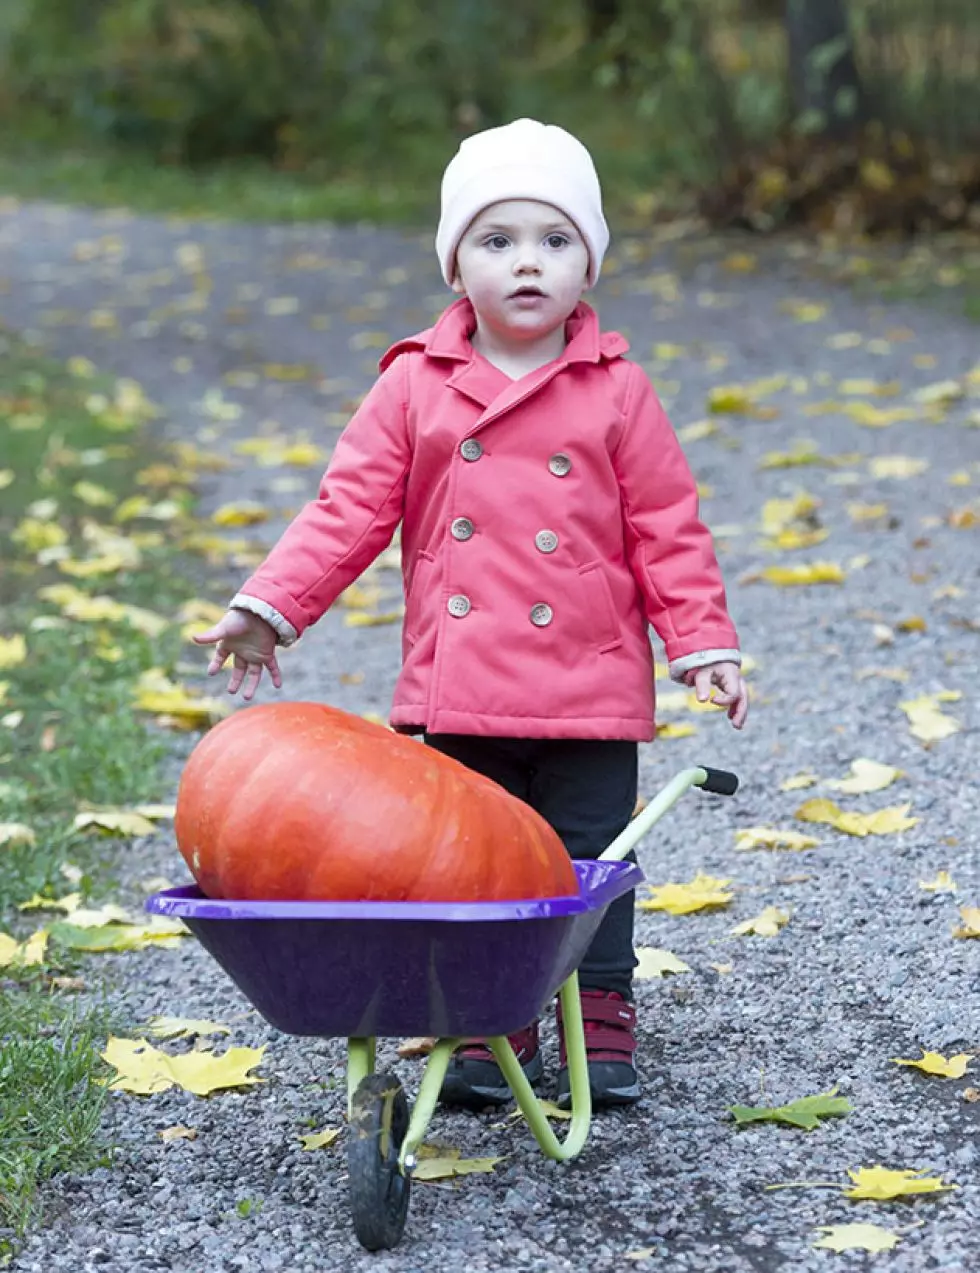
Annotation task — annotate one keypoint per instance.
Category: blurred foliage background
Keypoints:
(846, 114)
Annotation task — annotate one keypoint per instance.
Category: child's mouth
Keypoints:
(527, 293)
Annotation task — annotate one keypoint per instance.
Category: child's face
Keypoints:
(524, 267)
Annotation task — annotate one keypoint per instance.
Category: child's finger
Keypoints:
(210, 637)
(218, 660)
(274, 672)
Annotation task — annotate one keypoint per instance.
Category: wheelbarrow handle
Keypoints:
(716, 780)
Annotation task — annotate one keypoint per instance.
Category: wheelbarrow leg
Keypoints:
(361, 1055)
(578, 1074)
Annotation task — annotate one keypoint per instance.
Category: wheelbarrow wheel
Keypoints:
(379, 1193)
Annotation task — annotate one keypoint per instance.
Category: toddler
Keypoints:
(548, 516)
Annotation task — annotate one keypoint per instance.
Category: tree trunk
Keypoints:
(827, 91)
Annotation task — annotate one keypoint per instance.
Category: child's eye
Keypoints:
(557, 240)
(497, 241)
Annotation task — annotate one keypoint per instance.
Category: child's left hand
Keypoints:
(734, 692)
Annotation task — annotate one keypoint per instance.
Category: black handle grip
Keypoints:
(720, 781)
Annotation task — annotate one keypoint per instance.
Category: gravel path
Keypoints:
(867, 968)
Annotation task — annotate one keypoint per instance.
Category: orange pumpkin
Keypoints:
(303, 801)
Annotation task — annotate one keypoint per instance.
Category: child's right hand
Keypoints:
(251, 642)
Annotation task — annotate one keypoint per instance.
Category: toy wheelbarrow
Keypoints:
(456, 970)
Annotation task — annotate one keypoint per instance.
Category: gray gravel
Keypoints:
(866, 970)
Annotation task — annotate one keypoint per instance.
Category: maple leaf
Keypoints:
(805, 1112)
(773, 838)
(118, 821)
(766, 924)
(927, 721)
(320, 1140)
(142, 1069)
(702, 892)
(882, 822)
(880, 1183)
(953, 1067)
(865, 776)
(970, 916)
(814, 572)
(942, 883)
(856, 1237)
(655, 962)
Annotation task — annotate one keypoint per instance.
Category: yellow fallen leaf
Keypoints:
(970, 927)
(176, 705)
(70, 902)
(25, 954)
(792, 537)
(320, 1140)
(702, 892)
(881, 1184)
(162, 1027)
(766, 924)
(118, 821)
(898, 466)
(804, 311)
(883, 822)
(177, 1132)
(13, 651)
(814, 572)
(942, 392)
(773, 838)
(953, 1067)
(730, 399)
(446, 1168)
(244, 513)
(14, 833)
(655, 962)
(803, 453)
(859, 512)
(115, 936)
(866, 775)
(856, 1237)
(779, 514)
(863, 387)
(676, 729)
(362, 619)
(142, 1069)
(942, 883)
(927, 722)
(421, 1045)
(797, 781)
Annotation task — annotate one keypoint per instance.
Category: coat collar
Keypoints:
(449, 339)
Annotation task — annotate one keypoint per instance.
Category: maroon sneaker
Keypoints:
(610, 1046)
(474, 1079)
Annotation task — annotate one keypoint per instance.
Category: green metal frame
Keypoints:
(362, 1052)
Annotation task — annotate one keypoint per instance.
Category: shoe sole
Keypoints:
(610, 1098)
(456, 1090)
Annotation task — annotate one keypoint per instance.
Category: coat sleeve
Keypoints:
(335, 537)
(670, 549)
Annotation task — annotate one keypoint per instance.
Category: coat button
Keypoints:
(470, 449)
(559, 464)
(541, 615)
(546, 541)
(462, 528)
(458, 605)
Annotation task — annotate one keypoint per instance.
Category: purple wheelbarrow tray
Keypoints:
(398, 969)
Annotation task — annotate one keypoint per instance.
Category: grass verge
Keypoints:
(77, 579)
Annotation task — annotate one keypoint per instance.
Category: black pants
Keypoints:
(586, 788)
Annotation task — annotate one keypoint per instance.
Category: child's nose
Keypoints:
(528, 260)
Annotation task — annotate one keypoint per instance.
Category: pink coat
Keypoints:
(545, 522)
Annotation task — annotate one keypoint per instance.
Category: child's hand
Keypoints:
(251, 642)
(734, 692)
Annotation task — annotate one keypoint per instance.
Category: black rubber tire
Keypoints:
(379, 1193)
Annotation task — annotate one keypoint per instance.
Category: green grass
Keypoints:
(71, 450)
(50, 1102)
(101, 177)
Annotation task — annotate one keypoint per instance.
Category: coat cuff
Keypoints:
(284, 630)
(680, 667)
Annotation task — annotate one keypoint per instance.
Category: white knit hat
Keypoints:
(521, 160)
